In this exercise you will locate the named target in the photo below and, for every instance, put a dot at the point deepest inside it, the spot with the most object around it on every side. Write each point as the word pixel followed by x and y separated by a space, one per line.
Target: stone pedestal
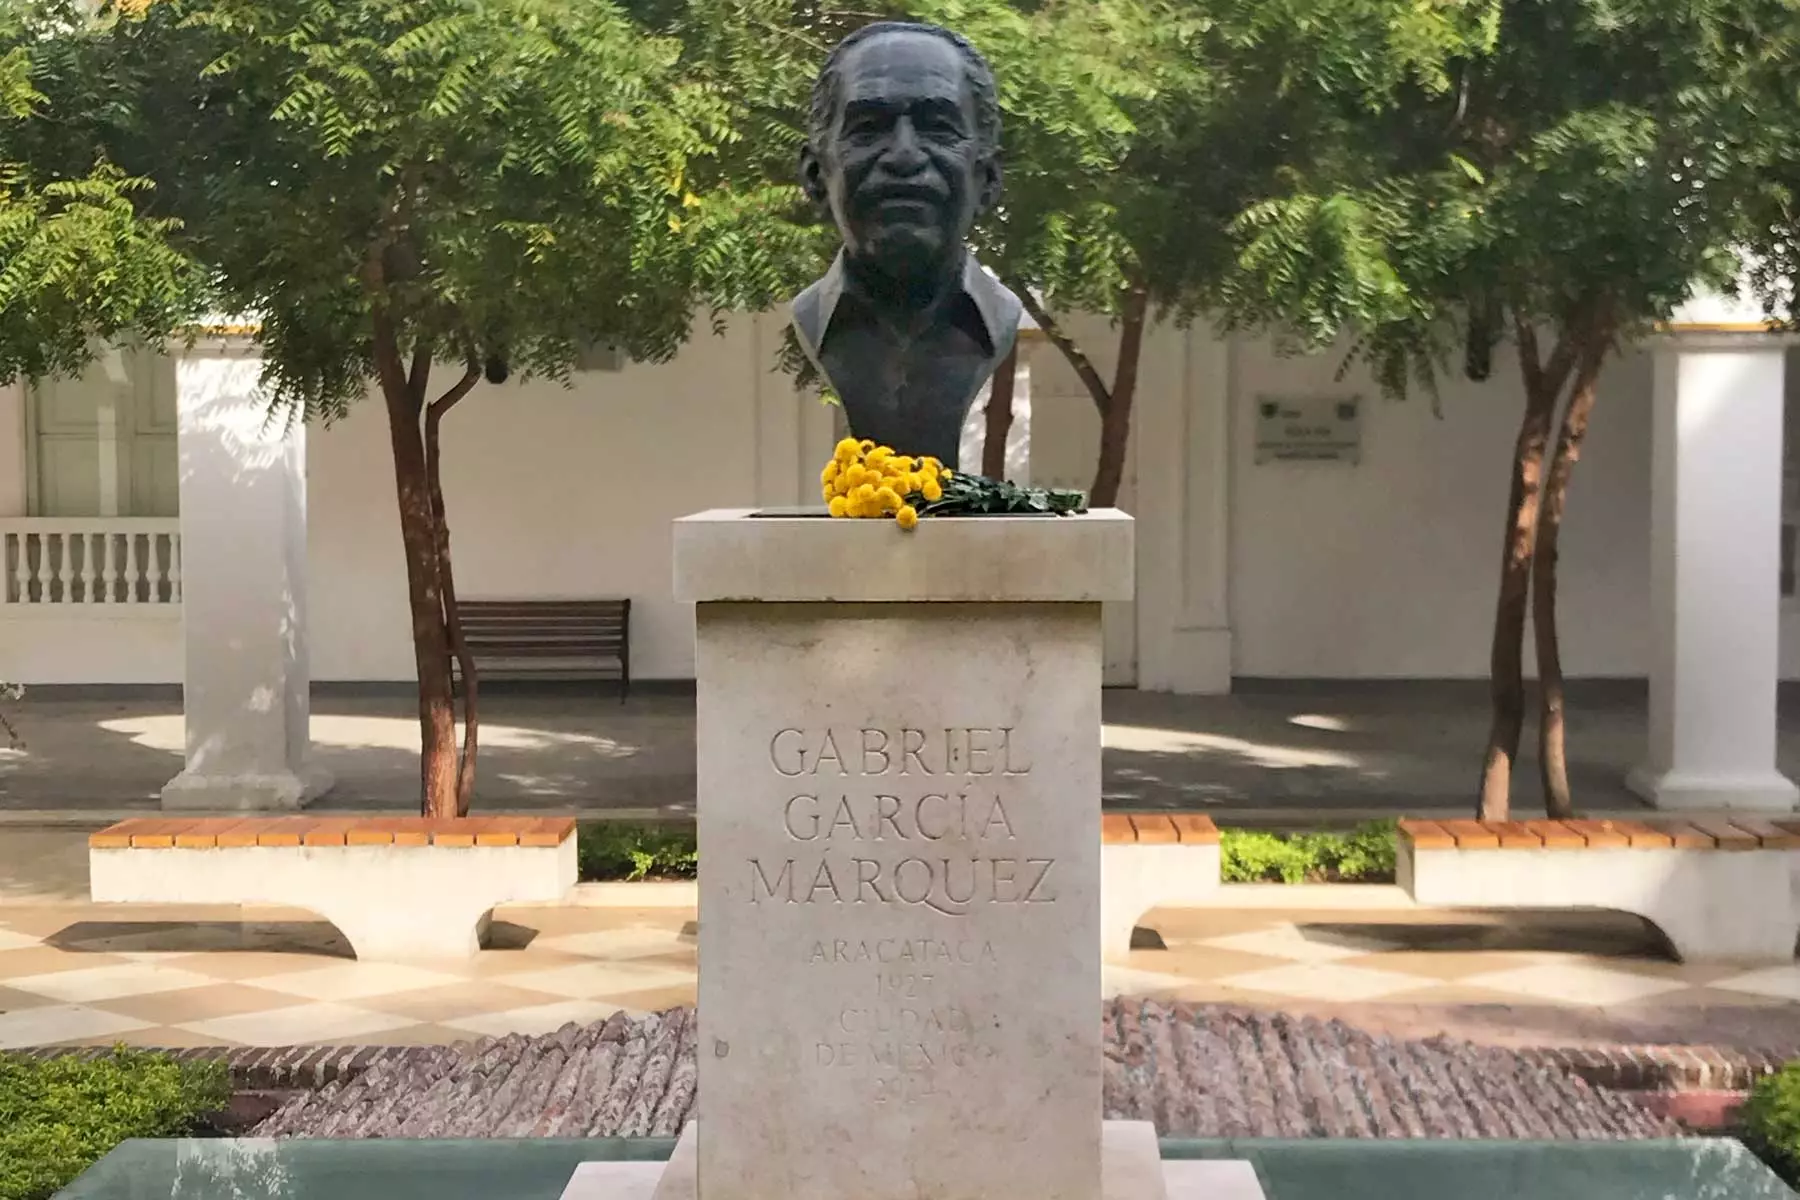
pixel 899 811
pixel 1714 574
pixel 243 542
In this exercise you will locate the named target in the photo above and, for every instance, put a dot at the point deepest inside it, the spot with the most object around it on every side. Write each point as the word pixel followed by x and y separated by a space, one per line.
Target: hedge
pixel 59 1116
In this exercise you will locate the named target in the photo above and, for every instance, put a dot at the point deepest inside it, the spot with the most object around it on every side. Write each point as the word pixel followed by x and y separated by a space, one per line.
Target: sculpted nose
pixel 904 156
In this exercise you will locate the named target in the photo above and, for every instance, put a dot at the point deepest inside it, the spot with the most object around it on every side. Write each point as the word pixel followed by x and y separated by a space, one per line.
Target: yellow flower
pixel 864 493
pixel 908 516
pixel 839 506
pixel 827 493
pixel 902 463
pixel 933 493
pixel 878 455
pixel 888 499
pixel 830 472
pixel 949 474
pixel 865 445
pixel 855 475
pixel 847 450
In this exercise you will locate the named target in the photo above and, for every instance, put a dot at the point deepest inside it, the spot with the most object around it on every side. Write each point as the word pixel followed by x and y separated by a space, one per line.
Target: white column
pixel 243 530
pixel 13 450
pixel 1714 563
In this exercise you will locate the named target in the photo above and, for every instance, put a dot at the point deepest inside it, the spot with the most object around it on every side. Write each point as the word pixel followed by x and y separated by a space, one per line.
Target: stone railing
pixel 79 561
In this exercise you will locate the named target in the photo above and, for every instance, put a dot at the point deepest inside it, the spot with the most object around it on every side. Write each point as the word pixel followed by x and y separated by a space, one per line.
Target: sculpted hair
pixel 826 91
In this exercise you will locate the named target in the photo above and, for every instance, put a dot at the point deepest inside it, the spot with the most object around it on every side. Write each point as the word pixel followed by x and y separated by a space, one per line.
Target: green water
pixel 1688 1169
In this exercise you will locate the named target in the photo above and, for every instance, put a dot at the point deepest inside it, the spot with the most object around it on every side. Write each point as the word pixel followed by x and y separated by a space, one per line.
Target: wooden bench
pixel 549 639
pixel 398 888
pixel 1149 859
pixel 1721 887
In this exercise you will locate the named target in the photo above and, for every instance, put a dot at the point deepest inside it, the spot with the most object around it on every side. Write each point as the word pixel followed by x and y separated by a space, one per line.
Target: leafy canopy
pixel 1582 170
pixel 78 265
pixel 510 179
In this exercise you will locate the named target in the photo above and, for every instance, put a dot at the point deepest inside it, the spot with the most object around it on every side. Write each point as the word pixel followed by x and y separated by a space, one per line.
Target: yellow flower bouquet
pixel 866 480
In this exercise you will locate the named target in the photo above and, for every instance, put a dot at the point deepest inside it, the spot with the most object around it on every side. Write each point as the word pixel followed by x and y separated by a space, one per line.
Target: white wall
pixel 553 492
pixel 12 450
pixel 79 646
pixel 1389 568
pixel 1383 569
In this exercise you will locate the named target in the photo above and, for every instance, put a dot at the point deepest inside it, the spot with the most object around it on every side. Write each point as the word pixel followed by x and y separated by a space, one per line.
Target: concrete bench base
pixel 391 901
pixel 1148 860
pixel 1730 900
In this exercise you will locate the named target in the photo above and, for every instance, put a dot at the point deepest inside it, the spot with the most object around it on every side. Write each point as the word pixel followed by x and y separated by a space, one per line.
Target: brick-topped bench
pixel 1721 888
pixel 396 887
pixel 1148 859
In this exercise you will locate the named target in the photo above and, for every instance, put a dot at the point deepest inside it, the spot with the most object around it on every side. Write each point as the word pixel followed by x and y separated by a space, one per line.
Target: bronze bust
pixel 903 148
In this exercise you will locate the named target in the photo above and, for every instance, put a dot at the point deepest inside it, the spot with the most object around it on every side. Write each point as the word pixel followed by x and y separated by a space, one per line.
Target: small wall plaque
pixel 1309 429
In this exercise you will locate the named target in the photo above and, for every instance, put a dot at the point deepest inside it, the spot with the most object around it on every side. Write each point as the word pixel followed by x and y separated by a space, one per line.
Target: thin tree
pixel 430 194
pixel 1579 180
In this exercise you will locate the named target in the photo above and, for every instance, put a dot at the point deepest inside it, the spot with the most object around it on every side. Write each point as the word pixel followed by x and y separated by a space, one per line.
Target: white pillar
pixel 13 449
pixel 243 558
pixel 1714 563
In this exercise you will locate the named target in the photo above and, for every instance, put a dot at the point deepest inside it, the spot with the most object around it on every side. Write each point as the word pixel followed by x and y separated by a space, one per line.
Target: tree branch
pixel 420 373
pixel 1096 386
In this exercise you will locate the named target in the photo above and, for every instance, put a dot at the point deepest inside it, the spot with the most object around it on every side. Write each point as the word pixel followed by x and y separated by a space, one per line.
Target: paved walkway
pixel 174 976
pixel 1294 752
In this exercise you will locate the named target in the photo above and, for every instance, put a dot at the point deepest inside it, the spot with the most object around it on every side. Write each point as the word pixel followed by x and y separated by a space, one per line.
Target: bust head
pixel 903 147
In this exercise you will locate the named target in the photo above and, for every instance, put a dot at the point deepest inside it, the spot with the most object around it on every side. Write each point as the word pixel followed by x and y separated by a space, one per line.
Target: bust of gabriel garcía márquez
pixel 903 149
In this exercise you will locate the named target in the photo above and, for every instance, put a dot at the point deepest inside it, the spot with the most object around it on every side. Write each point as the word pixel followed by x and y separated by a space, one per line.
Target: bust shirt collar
pixel 977 285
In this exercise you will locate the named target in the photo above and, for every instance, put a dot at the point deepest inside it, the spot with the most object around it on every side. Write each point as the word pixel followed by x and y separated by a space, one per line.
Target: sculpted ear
pixel 812 174
pixel 988 174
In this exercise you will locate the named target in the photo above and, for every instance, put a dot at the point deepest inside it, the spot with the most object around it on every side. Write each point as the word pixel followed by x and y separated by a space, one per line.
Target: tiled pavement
pixel 191 977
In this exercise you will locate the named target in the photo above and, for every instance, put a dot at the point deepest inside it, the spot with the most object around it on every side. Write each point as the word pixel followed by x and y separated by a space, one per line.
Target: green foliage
pixel 511 180
pixel 80 264
pixel 1365 855
pixel 1574 166
pixel 1771 1120
pixel 971 495
pixel 58 1116
pixel 614 850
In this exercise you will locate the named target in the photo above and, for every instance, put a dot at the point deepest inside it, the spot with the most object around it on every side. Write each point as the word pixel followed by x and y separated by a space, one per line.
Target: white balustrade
pixel 90 560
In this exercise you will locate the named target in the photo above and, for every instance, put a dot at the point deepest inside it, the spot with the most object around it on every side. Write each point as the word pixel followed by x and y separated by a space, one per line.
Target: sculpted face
pixel 903 170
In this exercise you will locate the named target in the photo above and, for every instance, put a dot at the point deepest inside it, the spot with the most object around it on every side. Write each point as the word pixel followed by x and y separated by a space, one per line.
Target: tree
pixel 1139 130
pixel 79 265
pixel 430 193
pixel 1579 180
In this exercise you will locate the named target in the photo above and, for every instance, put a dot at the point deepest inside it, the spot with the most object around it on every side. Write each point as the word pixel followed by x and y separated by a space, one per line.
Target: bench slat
pixel 1427 835
pixel 1728 835
pixel 1471 835
pixel 1643 836
pixel 1556 835
pixel 1154 829
pixel 1688 836
pixel 1768 834
pixel 1195 829
pixel 1116 829
pixel 1601 834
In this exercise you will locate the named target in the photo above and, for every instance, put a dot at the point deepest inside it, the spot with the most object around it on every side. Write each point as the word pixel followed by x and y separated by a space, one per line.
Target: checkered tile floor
pixel 193 977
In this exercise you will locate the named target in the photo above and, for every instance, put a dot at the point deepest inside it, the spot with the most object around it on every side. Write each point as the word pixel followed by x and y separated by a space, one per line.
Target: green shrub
pixel 614 850
pixel 1771 1120
pixel 1252 856
pixel 59 1116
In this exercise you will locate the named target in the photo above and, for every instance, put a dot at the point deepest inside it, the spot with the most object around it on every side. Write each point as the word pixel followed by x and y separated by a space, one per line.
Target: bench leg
pixel 1748 938
pixel 399 934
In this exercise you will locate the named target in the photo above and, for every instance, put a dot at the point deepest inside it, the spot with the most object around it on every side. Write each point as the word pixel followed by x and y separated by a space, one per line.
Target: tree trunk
pixel 434 416
pixel 431 650
pixel 1115 419
pixel 1000 415
pixel 1543 383
pixel 1552 759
